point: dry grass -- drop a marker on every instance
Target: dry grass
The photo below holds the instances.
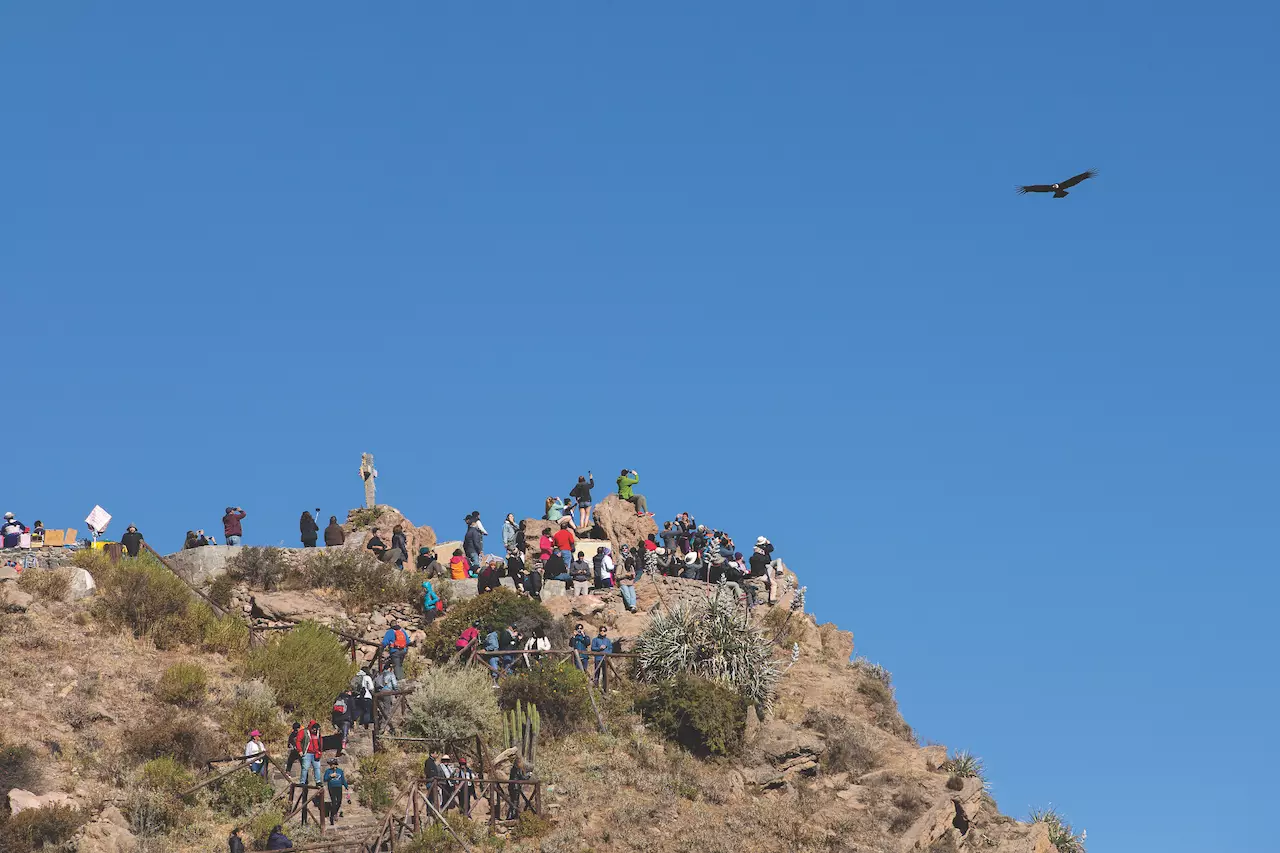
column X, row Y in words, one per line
column 46, row 584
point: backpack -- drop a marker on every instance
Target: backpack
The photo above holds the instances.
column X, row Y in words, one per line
column 340, row 707
column 357, row 684
column 491, row 642
column 401, row 641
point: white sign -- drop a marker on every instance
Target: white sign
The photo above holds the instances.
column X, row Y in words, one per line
column 98, row 520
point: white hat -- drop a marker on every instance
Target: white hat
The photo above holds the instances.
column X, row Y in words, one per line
column 762, row 541
column 662, row 550
column 691, row 557
column 8, row 515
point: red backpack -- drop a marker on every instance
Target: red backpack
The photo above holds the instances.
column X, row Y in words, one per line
column 400, row 641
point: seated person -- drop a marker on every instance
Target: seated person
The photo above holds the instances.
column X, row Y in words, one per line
column 37, row 531
column 375, row 544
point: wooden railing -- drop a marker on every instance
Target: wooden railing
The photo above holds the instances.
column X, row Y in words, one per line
column 601, row 672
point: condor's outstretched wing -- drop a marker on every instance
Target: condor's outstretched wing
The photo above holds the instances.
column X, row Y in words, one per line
column 1083, row 176
column 1035, row 188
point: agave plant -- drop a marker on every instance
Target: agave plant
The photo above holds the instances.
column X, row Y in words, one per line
column 712, row 639
column 966, row 765
column 1061, row 835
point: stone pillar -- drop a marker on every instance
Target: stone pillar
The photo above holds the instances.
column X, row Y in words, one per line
column 368, row 473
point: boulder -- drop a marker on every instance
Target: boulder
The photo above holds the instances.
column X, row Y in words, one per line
column 952, row 814
column 8, row 573
column 293, row 606
column 14, row 600
column 108, row 833
column 388, row 518
column 20, row 800
column 620, row 524
column 199, row 566
column 783, row 751
column 82, row 584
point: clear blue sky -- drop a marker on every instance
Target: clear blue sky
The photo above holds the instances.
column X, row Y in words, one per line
column 767, row 254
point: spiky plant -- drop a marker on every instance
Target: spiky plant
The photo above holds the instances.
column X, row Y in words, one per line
column 520, row 727
column 1061, row 835
column 712, row 639
column 966, row 765
column 797, row 603
column 874, row 670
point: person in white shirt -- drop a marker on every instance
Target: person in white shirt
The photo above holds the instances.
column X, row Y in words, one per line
column 254, row 747
column 539, row 642
column 366, row 698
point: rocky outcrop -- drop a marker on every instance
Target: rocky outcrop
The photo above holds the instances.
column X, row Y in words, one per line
column 620, row 524
column 20, row 800
column 82, row 584
column 12, row 599
column 779, row 752
column 948, row 821
column 107, row 833
column 199, row 566
column 357, row 529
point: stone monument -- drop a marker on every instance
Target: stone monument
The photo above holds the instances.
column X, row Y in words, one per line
column 368, row 473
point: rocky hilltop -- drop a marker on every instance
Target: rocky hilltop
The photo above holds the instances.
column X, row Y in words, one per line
column 95, row 720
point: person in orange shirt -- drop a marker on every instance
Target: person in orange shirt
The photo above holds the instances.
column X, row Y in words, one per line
column 565, row 540
column 458, row 566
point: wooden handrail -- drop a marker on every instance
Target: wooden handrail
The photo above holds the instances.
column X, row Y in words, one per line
column 207, row 600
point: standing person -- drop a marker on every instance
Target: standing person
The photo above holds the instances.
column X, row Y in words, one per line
column 231, row 527
column 626, row 482
column 582, row 494
column 295, row 757
column 335, row 781
column 669, row 535
column 429, row 601
column 365, row 695
column 626, row 576
column 132, row 541
column 467, row 786
column 256, row 747
column 649, row 561
column 546, row 545
column 308, row 528
column 581, row 643
column 539, row 642
column 399, row 545
column 509, row 534
column 606, row 568
column 334, row 535
column 395, row 642
column 519, row 773
column 602, row 645
column 343, row 713
column 473, row 543
column 386, row 682
column 234, row 843
column 565, row 540
column 764, row 566
column 311, row 746
column 580, row 573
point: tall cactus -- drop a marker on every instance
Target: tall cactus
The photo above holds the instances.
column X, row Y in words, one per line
column 520, row 728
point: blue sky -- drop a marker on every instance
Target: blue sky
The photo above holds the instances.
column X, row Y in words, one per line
column 767, row 254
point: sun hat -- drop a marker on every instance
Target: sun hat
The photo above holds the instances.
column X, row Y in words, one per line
column 255, row 733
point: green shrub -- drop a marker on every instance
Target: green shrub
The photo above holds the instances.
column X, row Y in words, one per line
column 262, row 568
column 226, row 635
column 240, row 792
column 34, row 828
column 452, row 705
column 712, row 639
column 558, row 688
column 365, row 581
column 220, row 590
column 705, row 717
column 883, row 705
column 1061, row 834
column 151, row 812
column 364, row 517
column 374, row 781
column 306, row 667
column 494, row 610
column 184, row 738
column 140, row 595
column 184, row 684
column 165, row 775
column 46, row 584
column 255, row 832
column 253, row 706
column 531, row 825
column 96, row 563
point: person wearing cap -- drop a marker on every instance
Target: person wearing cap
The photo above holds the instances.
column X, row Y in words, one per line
column 335, row 781
column 231, row 528
column 12, row 530
column 603, row 645
column 234, row 843
column 428, row 563
column 131, row 541
column 467, row 790
column 256, row 747
column 764, row 566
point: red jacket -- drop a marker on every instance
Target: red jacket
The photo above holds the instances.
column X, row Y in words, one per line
column 307, row 742
column 231, row 523
column 564, row 539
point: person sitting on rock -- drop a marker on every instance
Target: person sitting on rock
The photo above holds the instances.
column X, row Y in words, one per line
column 334, row 535
column 459, row 566
column 581, row 493
column 375, row 544
column 516, row 569
column 555, row 509
column 556, row 570
column 531, row 583
column 131, row 541
column 693, row 567
column 490, row 577
column 192, row 541
column 626, row 482
column 428, row 563
column 580, row 573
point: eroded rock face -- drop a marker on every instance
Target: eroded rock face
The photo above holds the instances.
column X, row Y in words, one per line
column 781, row 751
column 418, row 537
column 949, row 818
column 108, row 833
column 620, row 524
column 20, row 800
column 14, row 600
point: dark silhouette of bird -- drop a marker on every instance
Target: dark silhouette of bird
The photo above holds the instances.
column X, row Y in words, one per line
column 1059, row 190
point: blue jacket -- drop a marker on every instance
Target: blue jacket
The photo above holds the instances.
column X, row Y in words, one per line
column 580, row 642
column 278, row 841
column 473, row 542
column 390, row 637
column 601, row 644
column 335, row 778
column 429, row 597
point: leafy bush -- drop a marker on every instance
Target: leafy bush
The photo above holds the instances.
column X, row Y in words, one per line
column 531, row 825
column 34, row 828
column 848, row 748
column 453, row 704
column 495, row 609
column 240, row 792
column 558, row 688
column 183, row 684
column 165, row 775
column 96, row 563
column 255, row 832
column 706, row 717
column 375, row 780
column 306, row 667
column 184, row 738
column 220, row 590
column 253, row 706
column 365, row 581
column 712, row 639
column 140, row 594
column 785, row 628
column 225, row 635
column 1061, row 834
column 263, row 568
column 46, row 584
column 364, row 517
